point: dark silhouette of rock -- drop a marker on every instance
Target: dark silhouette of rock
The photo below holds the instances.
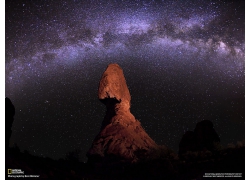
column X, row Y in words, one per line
column 122, row 138
column 9, row 118
column 203, row 137
column 188, row 142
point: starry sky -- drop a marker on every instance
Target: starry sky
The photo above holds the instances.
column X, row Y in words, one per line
column 184, row 61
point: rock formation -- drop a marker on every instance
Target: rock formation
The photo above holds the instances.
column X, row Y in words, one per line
column 202, row 138
column 121, row 138
column 9, row 118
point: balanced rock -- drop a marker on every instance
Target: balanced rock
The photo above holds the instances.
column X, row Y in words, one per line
column 121, row 138
column 202, row 138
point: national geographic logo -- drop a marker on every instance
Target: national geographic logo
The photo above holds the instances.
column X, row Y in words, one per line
column 15, row 171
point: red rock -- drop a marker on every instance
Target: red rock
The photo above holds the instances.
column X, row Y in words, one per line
column 122, row 137
column 113, row 84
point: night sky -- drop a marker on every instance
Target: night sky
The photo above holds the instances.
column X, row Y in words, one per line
column 184, row 61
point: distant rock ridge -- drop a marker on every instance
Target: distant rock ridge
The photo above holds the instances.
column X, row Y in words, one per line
column 9, row 118
column 204, row 137
column 122, row 137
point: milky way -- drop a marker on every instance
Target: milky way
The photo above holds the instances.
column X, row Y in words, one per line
column 184, row 61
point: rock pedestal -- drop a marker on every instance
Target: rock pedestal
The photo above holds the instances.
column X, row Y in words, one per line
column 122, row 138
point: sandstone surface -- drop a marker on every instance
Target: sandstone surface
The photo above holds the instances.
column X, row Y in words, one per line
column 121, row 137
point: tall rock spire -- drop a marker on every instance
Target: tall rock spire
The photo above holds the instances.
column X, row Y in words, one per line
column 122, row 137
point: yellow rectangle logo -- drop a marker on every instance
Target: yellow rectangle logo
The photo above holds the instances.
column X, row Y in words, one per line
column 9, row 171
